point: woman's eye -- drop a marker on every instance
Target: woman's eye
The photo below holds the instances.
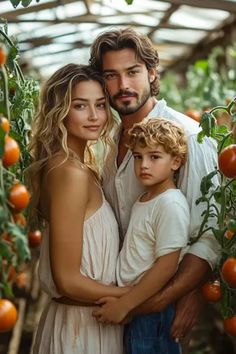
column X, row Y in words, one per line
column 101, row 105
column 79, row 106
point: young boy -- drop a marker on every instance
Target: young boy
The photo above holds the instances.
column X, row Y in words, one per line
column 157, row 232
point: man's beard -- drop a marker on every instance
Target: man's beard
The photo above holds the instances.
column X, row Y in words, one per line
column 127, row 109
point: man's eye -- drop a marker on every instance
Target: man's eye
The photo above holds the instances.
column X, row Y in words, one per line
column 133, row 72
column 110, row 76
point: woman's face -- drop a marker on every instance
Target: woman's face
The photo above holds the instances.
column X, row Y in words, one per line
column 87, row 115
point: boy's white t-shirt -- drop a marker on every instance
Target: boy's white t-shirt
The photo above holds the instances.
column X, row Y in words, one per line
column 157, row 227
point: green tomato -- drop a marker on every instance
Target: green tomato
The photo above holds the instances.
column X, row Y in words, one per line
column 232, row 225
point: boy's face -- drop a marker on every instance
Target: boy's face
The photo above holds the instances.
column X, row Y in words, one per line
column 153, row 165
column 127, row 80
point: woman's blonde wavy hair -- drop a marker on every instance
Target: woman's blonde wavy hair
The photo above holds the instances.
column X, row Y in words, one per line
column 158, row 131
column 49, row 134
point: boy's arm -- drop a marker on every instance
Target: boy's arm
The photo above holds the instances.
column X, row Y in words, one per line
column 191, row 273
column 153, row 280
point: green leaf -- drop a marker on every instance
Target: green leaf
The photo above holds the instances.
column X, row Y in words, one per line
column 5, row 250
column 129, row 2
column 15, row 3
column 7, row 290
column 200, row 137
column 25, row 3
column 20, row 242
column 206, row 182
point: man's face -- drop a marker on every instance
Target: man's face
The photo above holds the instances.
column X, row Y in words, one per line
column 127, row 79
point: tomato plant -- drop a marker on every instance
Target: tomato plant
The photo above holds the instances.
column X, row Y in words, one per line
column 220, row 205
column 8, row 315
column 212, row 291
column 18, row 99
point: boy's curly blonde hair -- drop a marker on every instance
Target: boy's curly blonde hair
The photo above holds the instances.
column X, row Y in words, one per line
column 159, row 131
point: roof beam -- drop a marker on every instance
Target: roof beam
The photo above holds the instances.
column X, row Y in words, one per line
column 165, row 18
column 206, row 4
column 87, row 4
column 35, row 8
column 78, row 21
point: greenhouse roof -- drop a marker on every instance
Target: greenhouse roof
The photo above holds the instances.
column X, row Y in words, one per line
column 52, row 33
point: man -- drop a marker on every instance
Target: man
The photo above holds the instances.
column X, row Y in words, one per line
column 128, row 62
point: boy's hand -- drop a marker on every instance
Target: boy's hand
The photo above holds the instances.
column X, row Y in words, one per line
column 111, row 311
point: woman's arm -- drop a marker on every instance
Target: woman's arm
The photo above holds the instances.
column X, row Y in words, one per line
column 153, row 280
column 68, row 188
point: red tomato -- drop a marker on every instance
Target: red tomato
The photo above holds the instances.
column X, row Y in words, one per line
column 19, row 196
column 228, row 271
column 227, row 161
column 212, row 291
column 3, row 56
column 8, row 315
column 229, row 234
column 194, row 114
column 4, row 122
column 34, row 238
column 230, row 325
column 11, row 152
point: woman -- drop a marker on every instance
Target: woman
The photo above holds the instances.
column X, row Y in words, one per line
column 80, row 245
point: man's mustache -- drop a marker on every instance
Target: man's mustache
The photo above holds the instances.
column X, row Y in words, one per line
column 122, row 93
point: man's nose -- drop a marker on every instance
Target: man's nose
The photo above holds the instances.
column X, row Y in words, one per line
column 123, row 82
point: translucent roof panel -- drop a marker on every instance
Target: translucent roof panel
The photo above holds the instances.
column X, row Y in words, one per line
column 58, row 31
column 199, row 18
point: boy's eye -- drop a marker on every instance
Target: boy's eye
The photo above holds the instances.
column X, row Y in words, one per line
column 155, row 157
column 137, row 157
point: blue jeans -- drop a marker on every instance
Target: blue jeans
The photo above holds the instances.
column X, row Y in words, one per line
column 150, row 334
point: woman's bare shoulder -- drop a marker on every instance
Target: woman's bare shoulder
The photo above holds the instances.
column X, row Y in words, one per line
column 61, row 171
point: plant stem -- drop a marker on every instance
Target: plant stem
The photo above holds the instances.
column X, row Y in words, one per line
column 5, row 91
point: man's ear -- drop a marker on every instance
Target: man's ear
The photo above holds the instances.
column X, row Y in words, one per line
column 152, row 74
column 176, row 163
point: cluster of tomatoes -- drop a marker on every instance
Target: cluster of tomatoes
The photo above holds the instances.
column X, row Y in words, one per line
column 212, row 291
column 18, row 200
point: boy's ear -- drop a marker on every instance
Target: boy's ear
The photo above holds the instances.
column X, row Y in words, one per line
column 176, row 163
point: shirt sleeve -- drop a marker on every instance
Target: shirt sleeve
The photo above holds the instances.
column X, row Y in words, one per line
column 171, row 227
column 202, row 160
